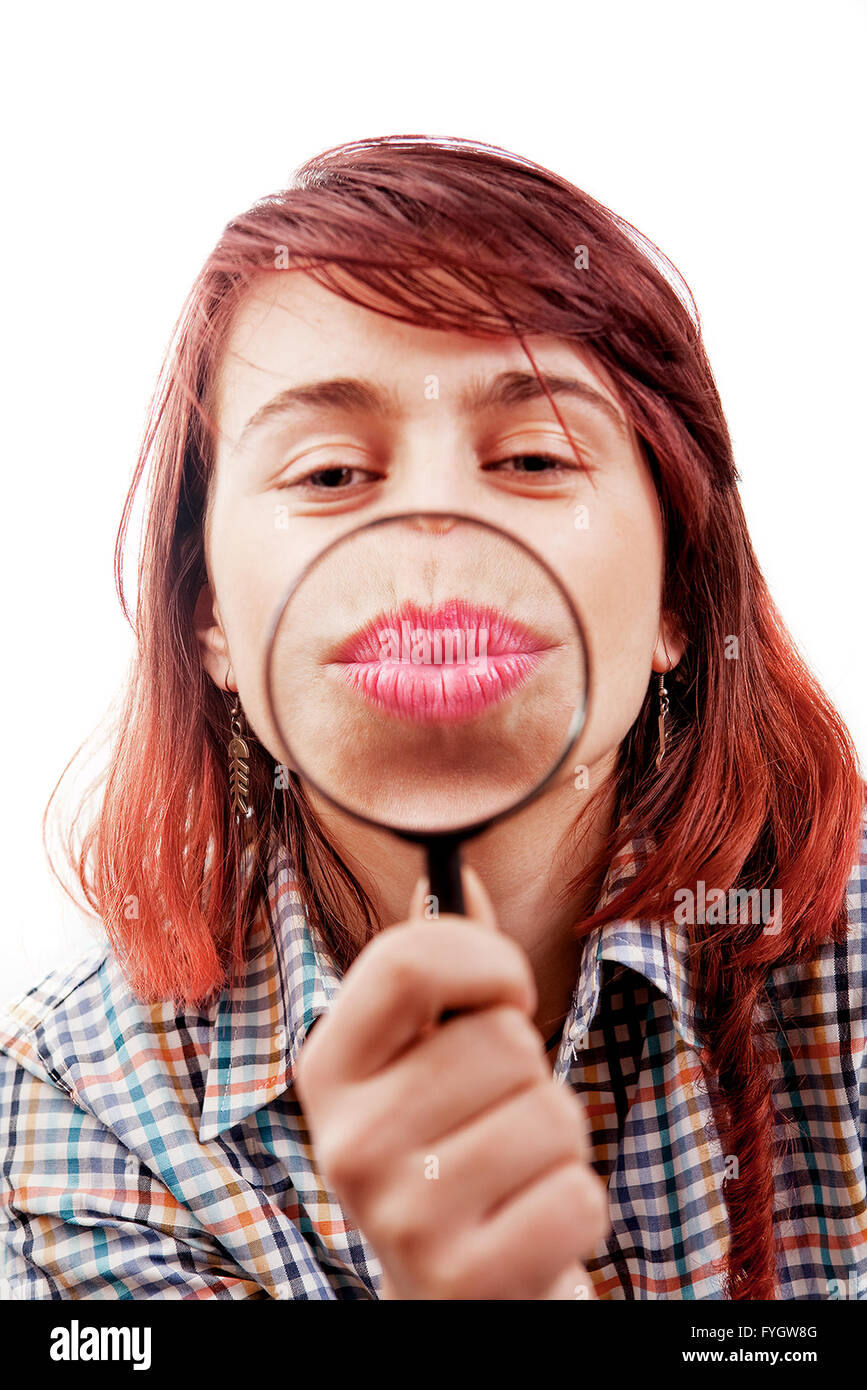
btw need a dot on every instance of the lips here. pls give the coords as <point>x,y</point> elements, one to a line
<point>447,662</point>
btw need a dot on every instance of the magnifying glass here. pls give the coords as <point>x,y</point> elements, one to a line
<point>428,673</point>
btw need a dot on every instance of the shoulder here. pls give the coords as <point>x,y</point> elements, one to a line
<point>857,888</point>
<point>82,1030</point>
<point>827,993</point>
<point>30,1020</point>
<point>104,1192</point>
<point>852,955</point>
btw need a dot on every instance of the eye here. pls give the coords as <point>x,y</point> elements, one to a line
<point>335,478</point>
<point>535,463</point>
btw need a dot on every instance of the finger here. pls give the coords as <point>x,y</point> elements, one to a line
<point>480,1060</point>
<point>484,1163</point>
<point>477,900</point>
<point>566,1211</point>
<point>417,901</point>
<point>478,908</point>
<point>403,980</point>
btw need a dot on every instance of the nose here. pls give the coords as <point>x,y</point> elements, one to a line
<point>433,523</point>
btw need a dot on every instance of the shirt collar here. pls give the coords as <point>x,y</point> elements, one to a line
<point>260,1024</point>
<point>657,949</point>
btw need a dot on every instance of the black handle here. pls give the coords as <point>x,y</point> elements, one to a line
<point>444,873</point>
<point>444,877</point>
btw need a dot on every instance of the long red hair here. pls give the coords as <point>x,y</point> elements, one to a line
<point>760,783</point>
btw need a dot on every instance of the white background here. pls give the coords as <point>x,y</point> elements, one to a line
<point>731,134</point>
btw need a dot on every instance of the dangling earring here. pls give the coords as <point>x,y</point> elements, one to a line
<point>239,772</point>
<point>663,711</point>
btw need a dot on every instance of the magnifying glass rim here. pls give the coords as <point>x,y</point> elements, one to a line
<point>576,724</point>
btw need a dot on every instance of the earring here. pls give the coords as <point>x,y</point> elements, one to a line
<point>239,772</point>
<point>663,711</point>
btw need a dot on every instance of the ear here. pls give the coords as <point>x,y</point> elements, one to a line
<point>670,644</point>
<point>211,638</point>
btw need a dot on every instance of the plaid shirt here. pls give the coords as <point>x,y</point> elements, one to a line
<point>146,1153</point>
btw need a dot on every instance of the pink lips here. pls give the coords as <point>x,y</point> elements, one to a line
<point>447,662</point>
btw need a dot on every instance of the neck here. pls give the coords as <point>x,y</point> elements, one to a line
<point>526,863</point>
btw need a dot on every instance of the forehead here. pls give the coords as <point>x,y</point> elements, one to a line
<point>291,329</point>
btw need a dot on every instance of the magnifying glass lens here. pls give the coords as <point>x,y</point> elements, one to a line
<point>427,673</point>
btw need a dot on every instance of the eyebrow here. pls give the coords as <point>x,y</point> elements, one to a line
<point>367,397</point>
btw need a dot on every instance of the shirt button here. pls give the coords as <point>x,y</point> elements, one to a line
<point>280,1038</point>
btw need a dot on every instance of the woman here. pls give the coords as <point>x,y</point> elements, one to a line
<point>600,1082</point>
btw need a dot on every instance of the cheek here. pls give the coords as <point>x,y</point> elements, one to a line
<point>255,562</point>
<point>614,572</point>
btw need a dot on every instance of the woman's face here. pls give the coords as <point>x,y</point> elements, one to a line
<point>425,421</point>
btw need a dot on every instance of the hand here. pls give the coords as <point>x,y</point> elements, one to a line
<point>449,1144</point>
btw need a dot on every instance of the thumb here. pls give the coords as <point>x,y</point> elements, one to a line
<point>477,903</point>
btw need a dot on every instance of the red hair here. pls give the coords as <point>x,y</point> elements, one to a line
<point>760,782</point>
